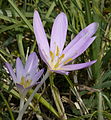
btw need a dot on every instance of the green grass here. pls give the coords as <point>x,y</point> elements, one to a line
<point>91,91</point>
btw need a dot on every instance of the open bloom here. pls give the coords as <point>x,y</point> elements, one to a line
<point>25,77</point>
<point>56,56</point>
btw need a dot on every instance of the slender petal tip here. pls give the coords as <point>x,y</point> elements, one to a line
<point>93,26</point>
<point>94,61</point>
<point>10,69</point>
<point>62,15</point>
<point>72,67</point>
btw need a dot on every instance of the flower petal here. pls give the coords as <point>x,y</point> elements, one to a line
<point>43,56</point>
<point>19,69</point>
<point>60,72</point>
<point>77,66</point>
<point>40,34</point>
<point>78,50</point>
<point>31,63</point>
<point>9,67</point>
<point>59,30</point>
<point>89,31</point>
<point>84,47</point>
<point>22,91</point>
<point>36,77</point>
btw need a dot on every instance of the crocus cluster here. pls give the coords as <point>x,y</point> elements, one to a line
<point>26,76</point>
<point>56,56</point>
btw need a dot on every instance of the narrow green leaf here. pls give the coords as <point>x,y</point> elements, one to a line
<point>11,27</point>
<point>9,109</point>
<point>20,46</point>
<point>21,15</point>
<point>8,19</point>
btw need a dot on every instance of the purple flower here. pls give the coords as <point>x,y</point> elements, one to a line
<point>56,56</point>
<point>25,77</point>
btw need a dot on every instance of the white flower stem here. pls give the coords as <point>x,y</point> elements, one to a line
<point>32,95</point>
<point>21,104</point>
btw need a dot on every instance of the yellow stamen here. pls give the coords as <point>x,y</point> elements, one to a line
<point>56,65</point>
<point>68,60</point>
<point>62,56</point>
<point>57,51</point>
<point>22,81</point>
<point>58,62</point>
<point>52,55</point>
<point>25,83</point>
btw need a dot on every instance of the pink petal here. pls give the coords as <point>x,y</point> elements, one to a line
<point>84,47</point>
<point>19,69</point>
<point>78,49</point>
<point>43,56</point>
<point>9,67</point>
<point>22,91</point>
<point>40,34</point>
<point>77,66</point>
<point>89,31</point>
<point>60,72</point>
<point>31,63</point>
<point>36,77</point>
<point>59,30</point>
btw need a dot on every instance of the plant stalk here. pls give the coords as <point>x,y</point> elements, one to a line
<point>21,113</point>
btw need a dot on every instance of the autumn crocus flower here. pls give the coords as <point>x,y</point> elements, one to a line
<point>56,56</point>
<point>26,76</point>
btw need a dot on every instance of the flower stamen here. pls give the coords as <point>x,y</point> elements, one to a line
<point>25,83</point>
<point>57,51</point>
<point>68,60</point>
<point>59,60</point>
<point>52,56</point>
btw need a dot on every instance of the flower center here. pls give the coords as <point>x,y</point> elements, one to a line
<point>25,83</point>
<point>56,59</point>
